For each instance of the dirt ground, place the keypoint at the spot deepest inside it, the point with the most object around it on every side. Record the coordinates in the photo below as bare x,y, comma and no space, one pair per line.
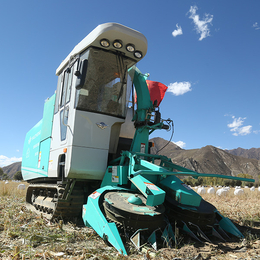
27,235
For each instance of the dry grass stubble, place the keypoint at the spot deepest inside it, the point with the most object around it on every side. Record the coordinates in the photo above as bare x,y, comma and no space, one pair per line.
26,235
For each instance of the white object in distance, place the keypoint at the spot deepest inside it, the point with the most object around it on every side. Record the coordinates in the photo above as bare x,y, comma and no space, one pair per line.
201,190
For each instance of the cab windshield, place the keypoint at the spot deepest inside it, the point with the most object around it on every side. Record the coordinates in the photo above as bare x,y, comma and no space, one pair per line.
107,85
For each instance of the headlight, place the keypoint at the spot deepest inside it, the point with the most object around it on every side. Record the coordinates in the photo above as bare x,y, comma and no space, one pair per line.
117,44
130,47
105,43
138,54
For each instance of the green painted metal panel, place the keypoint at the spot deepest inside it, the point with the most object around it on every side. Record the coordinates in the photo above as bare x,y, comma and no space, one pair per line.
183,194
228,226
93,216
155,196
31,153
144,104
47,118
43,161
37,145
44,152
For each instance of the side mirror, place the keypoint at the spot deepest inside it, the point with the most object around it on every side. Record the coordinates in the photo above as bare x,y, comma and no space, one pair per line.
81,74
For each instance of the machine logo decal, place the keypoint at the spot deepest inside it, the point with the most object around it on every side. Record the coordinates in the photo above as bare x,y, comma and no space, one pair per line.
102,125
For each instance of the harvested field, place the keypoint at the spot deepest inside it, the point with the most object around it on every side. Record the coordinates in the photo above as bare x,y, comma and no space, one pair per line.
26,235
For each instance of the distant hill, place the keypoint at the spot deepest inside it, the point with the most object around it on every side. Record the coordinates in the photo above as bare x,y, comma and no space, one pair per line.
12,169
253,153
208,159
166,146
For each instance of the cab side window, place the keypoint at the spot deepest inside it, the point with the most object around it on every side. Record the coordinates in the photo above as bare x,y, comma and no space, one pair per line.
66,90
66,84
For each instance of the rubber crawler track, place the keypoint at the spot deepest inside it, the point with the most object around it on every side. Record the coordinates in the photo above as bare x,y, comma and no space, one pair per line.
56,201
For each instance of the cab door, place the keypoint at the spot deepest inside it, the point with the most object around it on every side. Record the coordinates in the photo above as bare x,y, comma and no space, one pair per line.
62,114
64,106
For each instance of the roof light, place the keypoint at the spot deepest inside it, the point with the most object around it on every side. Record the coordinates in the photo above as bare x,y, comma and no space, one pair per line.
117,44
105,43
138,54
130,47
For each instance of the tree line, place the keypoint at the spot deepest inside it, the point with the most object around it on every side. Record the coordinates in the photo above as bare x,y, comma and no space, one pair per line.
214,181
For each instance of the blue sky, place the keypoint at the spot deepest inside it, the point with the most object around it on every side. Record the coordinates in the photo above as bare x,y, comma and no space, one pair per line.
206,52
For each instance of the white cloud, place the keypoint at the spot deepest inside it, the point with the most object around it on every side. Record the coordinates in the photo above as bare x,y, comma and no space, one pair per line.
256,26
201,26
245,130
4,160
178,31
237,126
179,88
181,144
237,122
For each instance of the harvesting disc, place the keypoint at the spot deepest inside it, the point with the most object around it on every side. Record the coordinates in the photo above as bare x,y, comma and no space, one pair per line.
118,208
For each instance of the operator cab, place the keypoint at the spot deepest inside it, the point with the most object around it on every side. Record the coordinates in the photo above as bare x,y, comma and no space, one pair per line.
92,101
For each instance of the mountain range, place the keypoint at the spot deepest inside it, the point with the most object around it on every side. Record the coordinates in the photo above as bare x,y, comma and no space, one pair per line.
208,159
253,153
